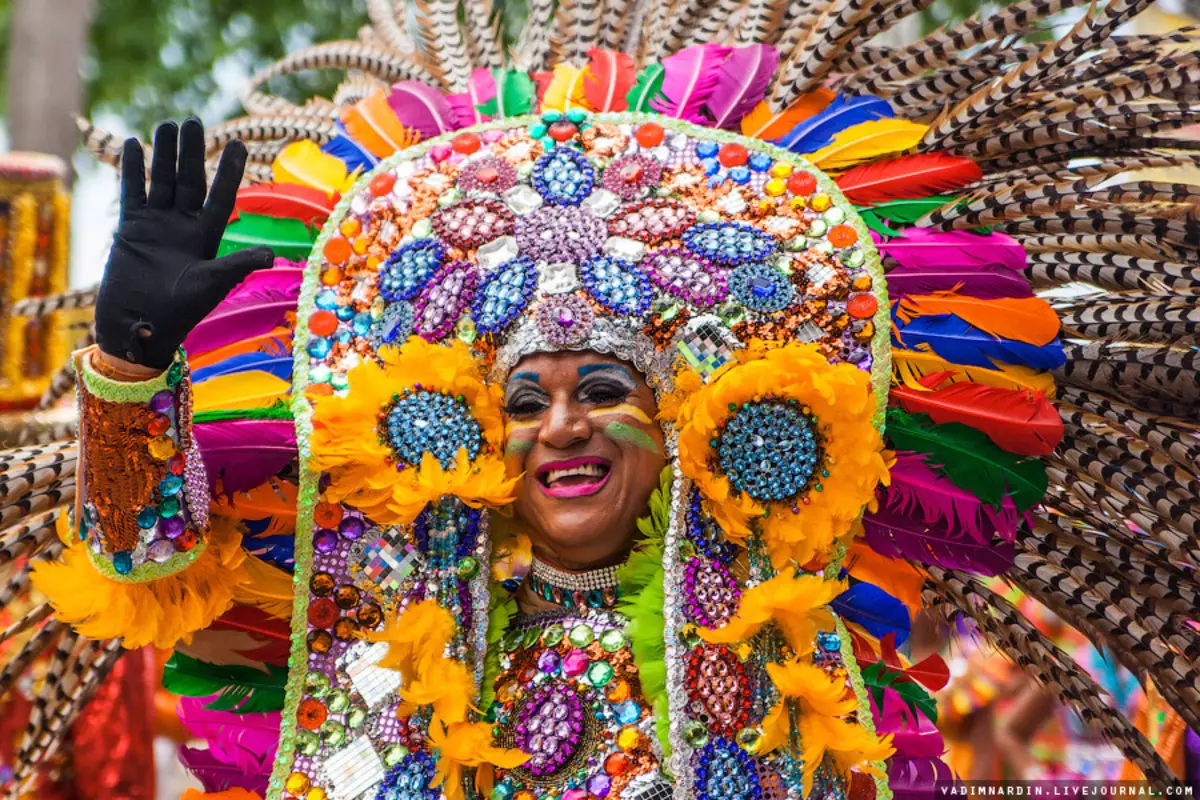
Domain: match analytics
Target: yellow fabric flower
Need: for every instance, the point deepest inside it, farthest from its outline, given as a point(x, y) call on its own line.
point(445, 684)
point(363, 470)
point(466, 744)
point(839, 396)
point(848, 743)
point(416, 639)
point(798, 605)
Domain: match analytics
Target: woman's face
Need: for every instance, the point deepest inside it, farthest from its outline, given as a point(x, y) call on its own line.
point(581, 427)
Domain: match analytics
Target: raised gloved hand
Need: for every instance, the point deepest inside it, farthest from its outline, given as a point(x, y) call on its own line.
point(163, 276)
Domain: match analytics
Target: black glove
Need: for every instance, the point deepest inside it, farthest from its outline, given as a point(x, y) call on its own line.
point(162, 276)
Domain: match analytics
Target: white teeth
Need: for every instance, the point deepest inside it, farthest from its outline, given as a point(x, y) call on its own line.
point(587, 470)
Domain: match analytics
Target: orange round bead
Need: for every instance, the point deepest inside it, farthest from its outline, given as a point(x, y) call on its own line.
point(842, 236)
point(346, 596)
point(617, 764)
point(331, 276)
point(350, 227)
point(322, 613)
point(311, 713)
point(323, 323)
point(733, 155)
point(321, 584)
point(327, 515)
point(862, 306)
point(320, 642)
point(382, 184)
point(802, 183)
point(185, 541)
point(618, 692)
point(466, 143)
point(161, 447)
point(649, 135)
point(370, 615)
point(345, 628)
point(160, 424)
point(337, 250)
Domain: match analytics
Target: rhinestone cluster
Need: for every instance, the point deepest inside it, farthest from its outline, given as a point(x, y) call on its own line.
point(421, 422)
point(769, 450)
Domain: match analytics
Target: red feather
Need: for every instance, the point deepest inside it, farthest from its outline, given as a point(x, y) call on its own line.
point(1023, 423)
point(274, 633)
point(610, 75)
point(288, 200)
point(908, 177)
point(541, 82)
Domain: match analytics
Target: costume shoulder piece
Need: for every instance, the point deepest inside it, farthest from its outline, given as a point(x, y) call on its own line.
point(835, 262)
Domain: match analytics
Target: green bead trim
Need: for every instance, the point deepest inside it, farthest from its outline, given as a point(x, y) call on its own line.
point(882, 790)
point(302, 409)
point(114, 391)
point(148, 571)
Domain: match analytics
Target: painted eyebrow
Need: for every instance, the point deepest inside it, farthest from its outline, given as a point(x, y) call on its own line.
point(588, 369)
point(532, 377)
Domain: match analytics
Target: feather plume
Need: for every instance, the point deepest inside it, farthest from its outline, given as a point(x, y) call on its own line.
point(896, 535)
point(969, 459)
point(741, 83)
point(272, 363)
point(275, 340)
point(911, 368)
point(908, 177)
point(288, 238)
point(242, 454)
point(355, 157)
point(256, 306)
point(895, 576)
point(817, 131)
point(689, 78)
point(242, 690)
point(961, 343)
point(481, 88)
point(240, 390)
point(565, 89)
point(241, 747)
point(268, 588)
point(269, 634)
point(274, 499)
point(375, 126)
point(1021, 422)
point(867, 141)
point(305, 164)
point(917, 491)
point(918, 247)
point(304, 203)
point(609, 77)
point(647, 91)
point(422, 108)
point(913, 735)
point(876, 611)
point(1023, 319)
point(513, 97)
point(986, 281)
point(905, 212)
point(764, 123)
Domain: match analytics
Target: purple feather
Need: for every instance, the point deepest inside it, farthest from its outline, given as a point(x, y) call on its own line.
point(985, 281)
point(895, 536)
point(914, 736)
point(742, 83)
point(254, 307)
point(919, 492)
point(244, 453)
point(689, 78)
point(422, 108)
point(241, 747)
point(919, 778)
point(920, 247)
point(481, 87)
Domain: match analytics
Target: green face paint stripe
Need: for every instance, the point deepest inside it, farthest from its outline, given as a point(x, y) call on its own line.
point(516, 447)
point(624, 432)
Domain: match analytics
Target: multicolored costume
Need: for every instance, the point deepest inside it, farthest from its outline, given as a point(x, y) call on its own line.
point(828, 289)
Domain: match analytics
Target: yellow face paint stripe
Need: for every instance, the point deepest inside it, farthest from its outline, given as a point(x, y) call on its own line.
point(627, 409)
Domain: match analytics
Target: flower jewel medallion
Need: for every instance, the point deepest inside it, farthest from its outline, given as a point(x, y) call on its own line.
point(745, 294)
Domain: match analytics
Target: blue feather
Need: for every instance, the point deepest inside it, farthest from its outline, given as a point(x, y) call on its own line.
point(349, 151)
point(818, 131)
point(960, 342)
point(875, 610)
point(278, 550)
point(279, 366)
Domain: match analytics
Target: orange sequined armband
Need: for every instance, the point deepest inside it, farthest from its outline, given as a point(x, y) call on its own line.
point(143, 507)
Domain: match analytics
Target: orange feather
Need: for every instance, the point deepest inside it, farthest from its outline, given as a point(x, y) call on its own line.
point(274, 341)
point(763, 123)
point(897, 578)
point(373, 124)
point(1022, 319)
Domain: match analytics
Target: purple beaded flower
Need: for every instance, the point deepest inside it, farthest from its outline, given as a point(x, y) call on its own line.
point(565, 319)
point(487, 174)
point(471, 223)
point(627, 176)
point(686, 275)
point(560, 234)
point(443, 301)
point(710, 592)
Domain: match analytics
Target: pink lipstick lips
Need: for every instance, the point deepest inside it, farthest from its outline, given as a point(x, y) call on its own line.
point(576, 477)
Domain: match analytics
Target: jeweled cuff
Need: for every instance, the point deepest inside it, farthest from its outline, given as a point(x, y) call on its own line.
point(143, 495)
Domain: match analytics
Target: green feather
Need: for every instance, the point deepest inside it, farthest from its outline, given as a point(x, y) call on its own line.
point(878, 677)
point(289, 238)
point(242, 690)
point(503, 609)
point(515, 94)
point(641, 584)
point(969, 459)
point(278, 411)
point(648, 87)
point(903, 212)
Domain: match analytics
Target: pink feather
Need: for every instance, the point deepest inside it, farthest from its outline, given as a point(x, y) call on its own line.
point(422, 108)
point(481, 87)
point(257, 305)
point(241, 747)
point(985, 281)
point(689, 78)
point(917, 491)
point(920, 778)
point(921, 247)
point(895, 536)
point(741, 84)
point(913, 735)
point(244, 453)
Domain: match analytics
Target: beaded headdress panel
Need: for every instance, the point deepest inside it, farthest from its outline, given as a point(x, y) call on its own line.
point(733, 274)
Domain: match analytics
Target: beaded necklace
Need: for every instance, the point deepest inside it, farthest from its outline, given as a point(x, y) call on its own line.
point(593, 588)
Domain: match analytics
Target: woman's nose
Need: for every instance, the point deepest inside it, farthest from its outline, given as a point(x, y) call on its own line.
point(566, 425)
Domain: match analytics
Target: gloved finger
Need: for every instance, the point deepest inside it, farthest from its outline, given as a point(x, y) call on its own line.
point(223, 195)
point(223, 274)
point(133, 176)
point(162, 166)
point(189, 188)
